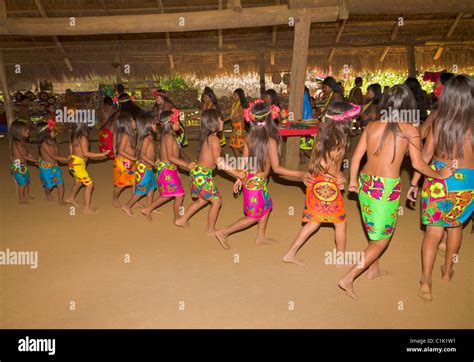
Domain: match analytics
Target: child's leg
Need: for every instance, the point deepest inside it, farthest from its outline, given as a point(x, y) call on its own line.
point(75, 189)
point(178, 202)
point(212, 216)
point(116, 194)
point(87, 200)
point(27, 191)
point(452, 249)
point(262, 226)
point(182, 221)
point(157, 203)
point(371, 255)
point(431, 240)
point(21, 195)
point(47, 194)
point(240, 224)
point(61, 194)
point(340, 234)
point(128, 206)
point(305, 232)
point(442, 244)
point(149, 198)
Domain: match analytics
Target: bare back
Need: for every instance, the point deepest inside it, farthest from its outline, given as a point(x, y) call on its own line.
point(169, 148)
point(79, 147)
point(210, 151)
point(467, 161)
point(384, 163)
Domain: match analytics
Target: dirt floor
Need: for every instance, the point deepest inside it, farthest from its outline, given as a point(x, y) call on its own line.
point(179, 278)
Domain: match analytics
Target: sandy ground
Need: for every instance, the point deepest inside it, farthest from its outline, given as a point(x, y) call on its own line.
point(180, 278)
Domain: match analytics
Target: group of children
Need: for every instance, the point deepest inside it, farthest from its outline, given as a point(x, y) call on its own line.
point(447, 198)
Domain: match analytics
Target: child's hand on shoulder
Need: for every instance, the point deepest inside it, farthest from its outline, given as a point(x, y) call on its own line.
point(341, 182)
point(307, 178)
point(191, 165)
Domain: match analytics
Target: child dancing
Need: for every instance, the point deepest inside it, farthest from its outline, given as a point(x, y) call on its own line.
point(324, 201)
point(385, 141)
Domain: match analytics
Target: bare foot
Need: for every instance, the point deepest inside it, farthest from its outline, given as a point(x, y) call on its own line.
point(265, 241)
point(147, 214)
point(425, 292)
point(30, 197)
point(348, 288)
point(23, 202)
point(49, 197)
point(376, 274)
point(445, 276)
point(71, 201)
point(211, 232)
point(291, 258)
point(61, 202)
point(157, 211)
point(116, 203)
point(182, 224)
point(91, 211)
point(128, 211)
point(222, 239)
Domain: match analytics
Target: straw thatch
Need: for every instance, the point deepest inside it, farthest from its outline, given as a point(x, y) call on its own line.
point(361, 44)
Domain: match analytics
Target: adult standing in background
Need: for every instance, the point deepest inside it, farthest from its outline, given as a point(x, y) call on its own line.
point(355, 95)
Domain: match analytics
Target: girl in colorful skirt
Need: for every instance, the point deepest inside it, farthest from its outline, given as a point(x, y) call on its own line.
point(261, 150)
point(447, 204)
point(125, 155)
point(385, 141)
point(20, 154)
point(324, 201)
point(145, 182)
point(169, 182)
point(79, 149)
point(203, 186)
point(50, 173)
point(237, 118)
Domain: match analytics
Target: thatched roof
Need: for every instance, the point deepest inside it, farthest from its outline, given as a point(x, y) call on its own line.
point(361, 44)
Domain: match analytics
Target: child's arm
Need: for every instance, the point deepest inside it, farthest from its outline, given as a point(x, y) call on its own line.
point(216, 150)
point(24, 152)
point(359, 152)
point(414, 147)
point(84, 143)
point(427, 154)
point(123, 145)
point(168, 143)
point(144, 154)
point(275, 163)
point(49, 151)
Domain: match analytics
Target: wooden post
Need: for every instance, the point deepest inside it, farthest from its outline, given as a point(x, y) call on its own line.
point(298, 76)
point(261, 67)
point(411, 61)
point(6, 93)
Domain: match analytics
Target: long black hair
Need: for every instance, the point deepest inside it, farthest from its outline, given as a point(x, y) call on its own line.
point(453, 119)
point(243, 100)
point(398, 101)
point(210, 93)
point(79, 129)
point(377, 90)
point(126, 105)
point(124, 126)
point(145, 124)
point(331, 83)
point(209, 125)
point(261, 131)
point(274, 96)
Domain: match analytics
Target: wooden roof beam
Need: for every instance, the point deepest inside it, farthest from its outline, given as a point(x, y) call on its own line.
point(274, 39)
point(235, 5)
point(44, 14)
point(168, 22)
point(338, 38)
point(455, 23)
point(168, 38)
point(393, 35)
point(220, 41)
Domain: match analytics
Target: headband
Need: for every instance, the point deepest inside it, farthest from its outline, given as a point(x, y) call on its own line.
point(174, 117)
point(51, 124)
point(351, 113)
point(260, 118)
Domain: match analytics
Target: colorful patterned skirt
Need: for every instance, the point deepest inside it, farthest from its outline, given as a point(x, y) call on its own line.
point(77, 168)
point(20, 172)
point(237, 136)
point(50, 174)
point(257, 200)
point(324, 201)
point(169, 182)
point(379, 198)
point(145, 181)
point(203, 185)
point(450, 202)
point(124, 171)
